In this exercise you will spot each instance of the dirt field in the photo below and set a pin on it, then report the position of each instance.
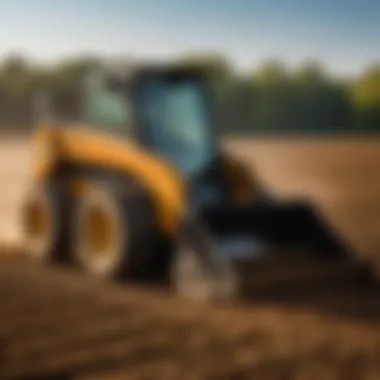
(58, 325)
(54, 324)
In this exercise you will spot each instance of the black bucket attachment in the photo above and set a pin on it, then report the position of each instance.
(291, 248)
(282, 227)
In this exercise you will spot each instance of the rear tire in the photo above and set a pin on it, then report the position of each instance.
(45, 222)
(115, 233)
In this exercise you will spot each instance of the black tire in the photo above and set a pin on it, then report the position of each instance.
(131, 249)
(53, 200)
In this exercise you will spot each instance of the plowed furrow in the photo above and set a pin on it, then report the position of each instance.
(77, 334)
(51, 320)
(56, 324)
(120, 345)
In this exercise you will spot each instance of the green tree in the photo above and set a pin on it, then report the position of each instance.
(271, 99)
(274, 99)
(16, 90)
(365, 96)
(271, 73)
(16, 76)
(322, 102)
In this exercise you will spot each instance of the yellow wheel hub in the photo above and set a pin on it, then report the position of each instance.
(99, 233)
(37, 220)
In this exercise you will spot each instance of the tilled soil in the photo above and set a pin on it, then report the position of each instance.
(58, 324)
(55, 324)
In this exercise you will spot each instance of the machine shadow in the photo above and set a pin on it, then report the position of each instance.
(359, 302)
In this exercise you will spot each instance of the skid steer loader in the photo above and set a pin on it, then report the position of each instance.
(139, 187)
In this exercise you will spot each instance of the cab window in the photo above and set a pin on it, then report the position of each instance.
(176, 121)
(104, 108)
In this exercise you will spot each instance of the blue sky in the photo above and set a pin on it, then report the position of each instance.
(344, 34)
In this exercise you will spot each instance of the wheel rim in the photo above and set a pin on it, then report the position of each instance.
(100, 238)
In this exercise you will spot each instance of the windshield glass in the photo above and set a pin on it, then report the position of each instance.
(176, 121)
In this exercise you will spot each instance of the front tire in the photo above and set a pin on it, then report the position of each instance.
(114, 233)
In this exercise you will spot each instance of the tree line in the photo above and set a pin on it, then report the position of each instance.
(271, 98)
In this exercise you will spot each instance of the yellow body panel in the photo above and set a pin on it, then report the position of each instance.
(44, 152)
(85, 145)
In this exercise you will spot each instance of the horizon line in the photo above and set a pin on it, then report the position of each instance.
(235, 66)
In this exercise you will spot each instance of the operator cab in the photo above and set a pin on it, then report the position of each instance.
(177, 122)
(173, 112)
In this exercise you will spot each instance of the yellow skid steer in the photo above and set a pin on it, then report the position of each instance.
(139, 187)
